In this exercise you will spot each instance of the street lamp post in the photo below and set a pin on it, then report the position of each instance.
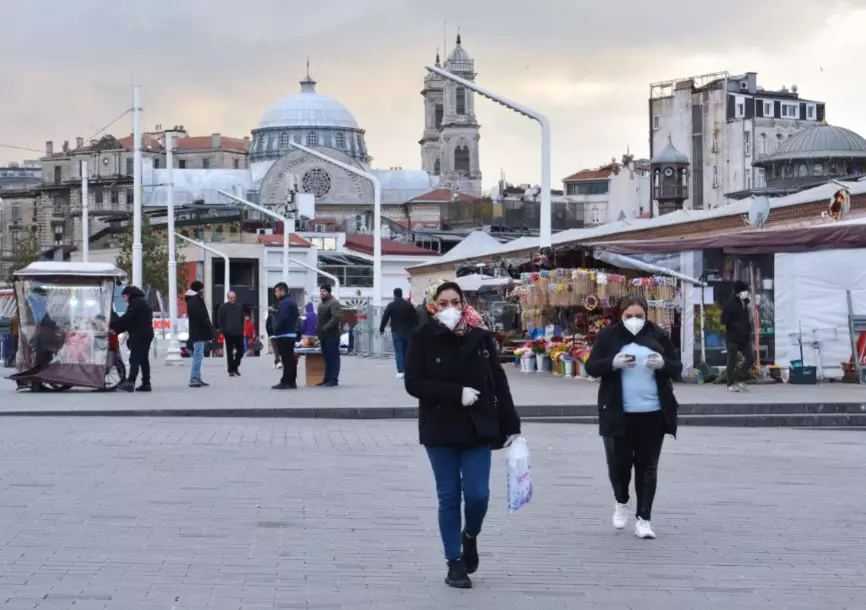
(137, 265)
(545, 230)
(214, 251)
(85, 215)
(377, 216)
(173, 355)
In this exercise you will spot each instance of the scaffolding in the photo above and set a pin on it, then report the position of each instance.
(667, 88)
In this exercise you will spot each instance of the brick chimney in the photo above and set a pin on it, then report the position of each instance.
(65, 146)
(246, 142)
(215, 141)
(79, 142)
(49, 148)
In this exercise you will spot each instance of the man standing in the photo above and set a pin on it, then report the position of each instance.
(201, 331)
(137, 323)
(285, 329)
(328, 332)
(231, 322)
(403, 318)
(737, 318)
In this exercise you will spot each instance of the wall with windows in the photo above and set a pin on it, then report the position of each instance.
(271, 144)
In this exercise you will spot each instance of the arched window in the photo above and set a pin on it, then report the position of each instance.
(461, 159)
(461, 101)
(284, 141)
(437, 168)
(762, 144)
(439, 111)
(818, 169)
(803, 170)
(656, 178)
(312, 139)
(340, 140)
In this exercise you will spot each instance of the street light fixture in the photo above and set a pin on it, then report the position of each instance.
(545, 230)
(214, 251)
(377, 215)
(173, 356)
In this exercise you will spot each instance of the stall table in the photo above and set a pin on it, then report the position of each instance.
(314, 366)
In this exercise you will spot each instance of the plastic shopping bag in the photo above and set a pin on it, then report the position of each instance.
(519, 472)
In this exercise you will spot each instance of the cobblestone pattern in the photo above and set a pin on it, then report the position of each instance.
(191, 514)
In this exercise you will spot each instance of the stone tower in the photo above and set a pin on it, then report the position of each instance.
(450, 144)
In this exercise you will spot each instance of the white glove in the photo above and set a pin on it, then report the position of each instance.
(510, 440)
(654, 361)
(470, 396)
(623, 361)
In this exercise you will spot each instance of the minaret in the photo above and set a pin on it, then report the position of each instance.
(433, 112)
(460, 132)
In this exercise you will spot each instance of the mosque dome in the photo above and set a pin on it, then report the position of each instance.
(820, 142)
(308, 109)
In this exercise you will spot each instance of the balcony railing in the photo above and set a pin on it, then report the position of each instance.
(667, 191)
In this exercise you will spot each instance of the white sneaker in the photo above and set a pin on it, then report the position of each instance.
(733, 388)
(620, 516)
(741, 387)
(279, 365)
(400, 375)
(643, 530)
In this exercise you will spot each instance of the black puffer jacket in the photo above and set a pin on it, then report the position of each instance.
(137, 320)
(610, 341)
(200, 325)
(439, 364)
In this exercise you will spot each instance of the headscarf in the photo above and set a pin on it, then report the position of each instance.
(471, 318)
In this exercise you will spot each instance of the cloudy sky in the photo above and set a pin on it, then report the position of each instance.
(216, 65)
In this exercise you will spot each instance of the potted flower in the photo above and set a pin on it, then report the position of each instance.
(526, 358)
(567, 363)
(539, 348)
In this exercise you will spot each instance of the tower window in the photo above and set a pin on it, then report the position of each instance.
(341, 140)
(312, 139)
(439, 113)
(437, 168)
(461, 159)
(461, 101)
(284, 141)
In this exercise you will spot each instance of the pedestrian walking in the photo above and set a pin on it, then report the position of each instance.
(737, 318)
(285, 327)
(328, 332)
(230, 318)
(402, 318)
(465, 410)
(636, 362)
(201, 331)
(137, 323)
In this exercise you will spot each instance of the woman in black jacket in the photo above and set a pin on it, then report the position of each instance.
(465, 411)
(636, 362)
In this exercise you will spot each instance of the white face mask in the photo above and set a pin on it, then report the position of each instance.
(744, 295)
(634, 325)
(449, 318)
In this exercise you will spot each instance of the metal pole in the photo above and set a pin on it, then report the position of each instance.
(173, 355)
(214, 251)
(85, 215)
(377, 215)
(545, 238)
(137, 268)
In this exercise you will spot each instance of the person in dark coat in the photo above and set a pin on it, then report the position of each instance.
(201, 331)
(737, 318)
(285, 328)
(465, 410)
(308, 326)
(403, 318)
(269, 329)
(230, 318)
(137, 323)
(636, 362)
(328, 332)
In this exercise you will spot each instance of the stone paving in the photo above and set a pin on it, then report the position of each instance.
(191, 514)
(371, 384)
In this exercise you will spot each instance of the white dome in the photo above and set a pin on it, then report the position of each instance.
(308, 109)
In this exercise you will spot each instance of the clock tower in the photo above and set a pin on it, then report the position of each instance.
(670, 179)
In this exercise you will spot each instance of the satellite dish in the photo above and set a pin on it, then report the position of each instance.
(759, 212)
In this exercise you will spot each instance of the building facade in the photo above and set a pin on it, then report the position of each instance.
(616, 191)
(723, 124)
(450, 143)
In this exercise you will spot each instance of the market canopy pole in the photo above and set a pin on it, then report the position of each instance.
(545, 230)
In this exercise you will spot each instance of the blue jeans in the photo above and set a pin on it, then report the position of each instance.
(331, 354)
(460, 470)
(197, 358)
(401, 341)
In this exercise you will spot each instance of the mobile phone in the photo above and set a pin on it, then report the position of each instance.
(630, 358)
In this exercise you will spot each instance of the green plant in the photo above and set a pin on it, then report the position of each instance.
(154, 245)
(26, 251)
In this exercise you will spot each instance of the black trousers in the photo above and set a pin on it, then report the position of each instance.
(139, 357)
(234, 351)
(734, 350)
(286, 350)
(640, 449)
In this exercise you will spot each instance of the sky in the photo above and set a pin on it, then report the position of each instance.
(216, 66)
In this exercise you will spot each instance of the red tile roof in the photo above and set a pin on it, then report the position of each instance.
(593, 174)
(441, 196)
(206, 143)
(276, 241)
(147, 142)
(364, 244)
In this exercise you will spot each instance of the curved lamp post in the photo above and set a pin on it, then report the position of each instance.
(377, 215)
(288, 226)
(545, 230)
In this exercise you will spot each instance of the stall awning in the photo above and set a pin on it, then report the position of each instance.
(628, 262)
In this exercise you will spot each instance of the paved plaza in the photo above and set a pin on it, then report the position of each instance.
(370, 384)
(197, 513)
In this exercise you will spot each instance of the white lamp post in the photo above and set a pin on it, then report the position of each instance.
(137, 266)
(173, 355)
(85, 215)
(377, 216)
(205, 247)
(545, 230)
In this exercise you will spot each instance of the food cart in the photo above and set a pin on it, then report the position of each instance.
(65, 342)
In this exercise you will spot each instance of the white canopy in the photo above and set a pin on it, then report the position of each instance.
(62, 268)
(476, 281)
